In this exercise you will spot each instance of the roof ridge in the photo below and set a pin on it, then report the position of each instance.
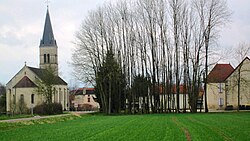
(246, 58)
(219, 73)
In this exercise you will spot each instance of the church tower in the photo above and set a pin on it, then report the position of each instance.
(48, 47)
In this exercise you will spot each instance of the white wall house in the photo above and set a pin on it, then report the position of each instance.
(84, 99)
(238, 82)
(223, 84)
(216, 92)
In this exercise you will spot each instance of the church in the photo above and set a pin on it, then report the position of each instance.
(22, 90)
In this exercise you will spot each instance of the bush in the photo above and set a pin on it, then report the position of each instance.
(242, 107)
(3, 103)
(72, 108)
(247, 107)
(229, 107)
(48, 109)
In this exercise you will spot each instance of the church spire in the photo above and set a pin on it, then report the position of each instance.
(48, 36)
(48, 47)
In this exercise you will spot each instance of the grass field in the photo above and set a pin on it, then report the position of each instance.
(5, 117)
(169, 127)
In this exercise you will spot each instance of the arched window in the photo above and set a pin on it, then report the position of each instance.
(10, 95)
(64, 98)
(21, 99)
(14, 99)
(60, 95)
(48, 58)
(44, 58)
(32, 98)
(54, 94)
(55, 58)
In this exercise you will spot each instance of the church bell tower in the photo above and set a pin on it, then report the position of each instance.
(48, 47)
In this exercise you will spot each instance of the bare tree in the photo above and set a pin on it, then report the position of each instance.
(46, 84)
(213, 14)
(162, 41)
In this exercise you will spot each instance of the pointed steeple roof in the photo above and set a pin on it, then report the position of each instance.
(48, 36)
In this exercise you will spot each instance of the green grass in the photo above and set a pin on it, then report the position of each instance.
(212, 126)
(5, 117)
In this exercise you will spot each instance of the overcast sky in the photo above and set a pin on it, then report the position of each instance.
(22, 23)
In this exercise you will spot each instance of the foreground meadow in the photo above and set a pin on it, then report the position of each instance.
(197, 127)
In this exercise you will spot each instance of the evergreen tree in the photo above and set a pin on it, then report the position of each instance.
(2, 98)
(110, 84)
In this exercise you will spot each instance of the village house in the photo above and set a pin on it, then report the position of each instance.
(216, 86)
(170, 100)
(238, 82)
(22, 90)
(223, 86)
(84, 99)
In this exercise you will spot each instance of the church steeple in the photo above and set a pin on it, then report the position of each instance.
(48, 36)
(48, 47)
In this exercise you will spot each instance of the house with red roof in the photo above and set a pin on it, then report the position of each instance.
(222, 88)
(84, 99)
(216, 87)
(183, 97)
(169, 100)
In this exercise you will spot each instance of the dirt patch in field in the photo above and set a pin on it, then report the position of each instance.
(185, 130)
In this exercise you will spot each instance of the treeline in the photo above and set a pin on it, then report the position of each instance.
(138, 54)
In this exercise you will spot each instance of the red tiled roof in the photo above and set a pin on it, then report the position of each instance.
(90, 89)
(183, 89)
(219, 73)
(80, 91)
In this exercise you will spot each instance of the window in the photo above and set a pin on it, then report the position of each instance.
(55, 58)
(32, 98)
(60, 95)
(54, 94)
(21, 98)
(220, 87)
(48, 58)
(221, 101)
(14, 99)
(64, 99)
(44, 58)
(9, 96)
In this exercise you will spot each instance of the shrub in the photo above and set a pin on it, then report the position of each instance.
(229, 107)
(242, 107)
(247, 107)
(72, 108)
(48, 109)
(57, 108)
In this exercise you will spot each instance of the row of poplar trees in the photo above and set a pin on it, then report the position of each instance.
(135, 52)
